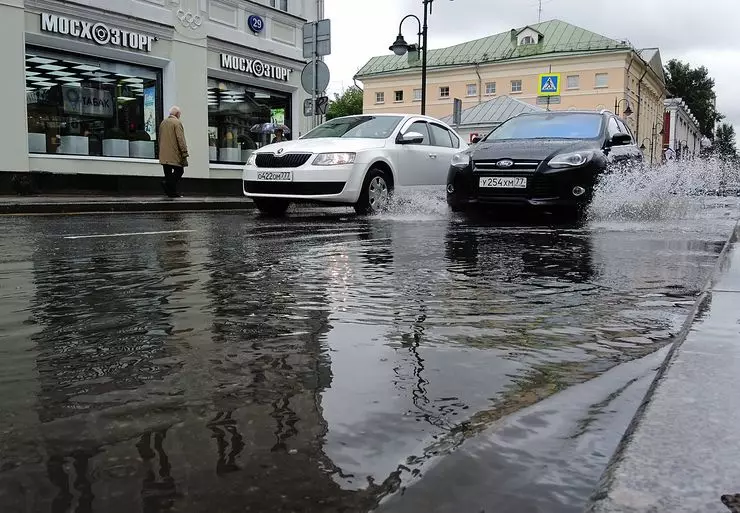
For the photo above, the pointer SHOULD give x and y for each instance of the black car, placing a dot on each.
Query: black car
(548, 160)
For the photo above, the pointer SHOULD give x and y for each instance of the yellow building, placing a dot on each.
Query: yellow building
(595, 73)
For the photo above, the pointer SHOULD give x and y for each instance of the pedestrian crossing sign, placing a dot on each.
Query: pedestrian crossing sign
(549, 84)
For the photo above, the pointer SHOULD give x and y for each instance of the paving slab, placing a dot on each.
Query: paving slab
(682, 453)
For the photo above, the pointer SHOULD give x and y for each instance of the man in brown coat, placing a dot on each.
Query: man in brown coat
(173, 151)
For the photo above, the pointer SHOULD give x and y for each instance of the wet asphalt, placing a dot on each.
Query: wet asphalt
(415, 361)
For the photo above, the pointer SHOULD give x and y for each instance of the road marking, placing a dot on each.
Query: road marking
(100, 236)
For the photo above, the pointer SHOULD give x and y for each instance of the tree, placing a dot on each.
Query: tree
(696, 88)
(347, 104)
(724, 140)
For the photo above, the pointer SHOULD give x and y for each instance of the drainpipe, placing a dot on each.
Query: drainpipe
(480, 84)
(639, 99)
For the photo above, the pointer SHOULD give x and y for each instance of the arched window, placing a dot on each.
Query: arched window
(527, 40)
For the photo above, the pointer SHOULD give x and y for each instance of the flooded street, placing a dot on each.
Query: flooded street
(415, 361)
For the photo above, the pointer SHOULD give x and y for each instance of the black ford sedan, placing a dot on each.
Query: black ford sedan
(548, 160)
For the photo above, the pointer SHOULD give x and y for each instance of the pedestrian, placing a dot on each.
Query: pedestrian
(279, 137)
(173, 151)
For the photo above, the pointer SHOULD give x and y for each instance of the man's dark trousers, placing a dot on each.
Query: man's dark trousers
(172, 175)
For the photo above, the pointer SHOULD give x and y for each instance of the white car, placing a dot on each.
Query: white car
(353, 160)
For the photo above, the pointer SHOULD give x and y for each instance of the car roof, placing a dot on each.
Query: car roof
(395, 114)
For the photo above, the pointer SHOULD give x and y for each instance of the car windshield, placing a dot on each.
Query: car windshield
(372, 127)
(554, 126)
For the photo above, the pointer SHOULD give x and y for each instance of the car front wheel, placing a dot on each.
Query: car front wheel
(376, 193)
(271, 207)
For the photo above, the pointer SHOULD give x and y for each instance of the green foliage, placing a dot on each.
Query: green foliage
(349, 103)
(724, 141)
(696, 88)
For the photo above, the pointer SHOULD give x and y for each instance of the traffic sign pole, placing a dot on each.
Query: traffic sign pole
(315, 73)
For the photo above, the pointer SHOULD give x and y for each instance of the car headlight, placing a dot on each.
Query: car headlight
(461, 160)
(252, 160)
(574, 159)
(334, 159)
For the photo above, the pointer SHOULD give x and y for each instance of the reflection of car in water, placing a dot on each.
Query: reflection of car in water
(549, 160)
(353, 160)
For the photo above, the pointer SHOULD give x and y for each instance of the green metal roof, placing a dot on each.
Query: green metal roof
(559, 38)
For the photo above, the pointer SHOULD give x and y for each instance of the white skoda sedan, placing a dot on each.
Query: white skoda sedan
(354, 160)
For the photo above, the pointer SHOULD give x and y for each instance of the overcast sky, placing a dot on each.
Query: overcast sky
(700, 32)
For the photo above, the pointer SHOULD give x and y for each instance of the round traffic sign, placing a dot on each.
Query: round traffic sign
(322, 77)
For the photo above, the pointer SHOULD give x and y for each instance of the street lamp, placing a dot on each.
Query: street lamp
(400, 47)
(618, 102)
(643, 147)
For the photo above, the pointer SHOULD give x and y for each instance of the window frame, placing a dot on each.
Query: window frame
(521, 86)
(427, 134)
(417, 98)
(577, 81)
(442, 89)
(278, 4)
(468, 89)
(493, 92)
(433, 136)
(398, 96)
(379, 97)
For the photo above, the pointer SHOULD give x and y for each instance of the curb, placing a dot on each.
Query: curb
(606, 481)
(91, 207)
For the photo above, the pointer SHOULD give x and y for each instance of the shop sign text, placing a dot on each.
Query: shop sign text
(99, 33)
(255, 67)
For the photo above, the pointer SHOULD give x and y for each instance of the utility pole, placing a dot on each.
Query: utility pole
(539, 13)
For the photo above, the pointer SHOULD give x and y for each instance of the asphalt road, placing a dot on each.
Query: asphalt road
(325, 362)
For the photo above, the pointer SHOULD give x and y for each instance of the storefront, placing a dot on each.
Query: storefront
(97, 85)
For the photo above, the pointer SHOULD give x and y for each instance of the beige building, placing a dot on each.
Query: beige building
(595, 73)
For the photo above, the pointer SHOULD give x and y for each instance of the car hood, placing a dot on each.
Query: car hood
(532, 149)
(324, 145)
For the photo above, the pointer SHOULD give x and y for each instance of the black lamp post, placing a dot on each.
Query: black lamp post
(400, 47)
(618, 102)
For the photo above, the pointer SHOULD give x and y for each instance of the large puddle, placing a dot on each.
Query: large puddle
(326, 362)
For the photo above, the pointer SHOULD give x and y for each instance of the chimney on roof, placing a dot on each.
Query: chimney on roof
(513, 37)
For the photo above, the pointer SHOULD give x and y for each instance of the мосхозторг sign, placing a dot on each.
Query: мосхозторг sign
(99, 33)
(255, 67)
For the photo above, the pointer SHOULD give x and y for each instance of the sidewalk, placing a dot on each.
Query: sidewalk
(682, 451)
(71, 204)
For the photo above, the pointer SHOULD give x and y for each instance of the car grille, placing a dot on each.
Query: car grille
(294, 188)
(543, 187)
(517, 167)
(270, 160)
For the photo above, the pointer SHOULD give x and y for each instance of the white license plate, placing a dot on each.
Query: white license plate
(503, 182)
(275, 176)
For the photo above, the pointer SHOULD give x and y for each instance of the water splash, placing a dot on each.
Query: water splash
(418, 204)
(675, 190)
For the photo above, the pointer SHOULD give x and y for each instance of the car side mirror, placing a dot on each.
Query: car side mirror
(620, 139)
(411, 138)
(475, 140)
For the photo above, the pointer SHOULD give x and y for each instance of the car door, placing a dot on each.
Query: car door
(615, 154)
(413, 160)
(443, 148)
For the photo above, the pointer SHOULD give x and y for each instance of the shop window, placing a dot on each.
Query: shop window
(85, 106)
(243, 118)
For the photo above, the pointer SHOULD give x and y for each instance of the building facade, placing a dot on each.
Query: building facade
(596, 73)
(681, 132)
(99, 76)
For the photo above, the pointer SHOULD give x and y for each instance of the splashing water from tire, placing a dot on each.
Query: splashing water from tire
(675, 190)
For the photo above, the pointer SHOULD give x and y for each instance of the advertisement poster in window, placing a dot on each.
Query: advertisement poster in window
(278, 116)
(150, 112)
(85, 101)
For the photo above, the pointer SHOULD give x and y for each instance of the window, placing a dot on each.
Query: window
(371, 127)
(379, 97)
(602, 80)
(612, 128)
(421, 127)
(490, 88)
(398, 96)
(417, 95)
(472, 90)
(574, 81)
(86, 106)
(444, 92)
(441, 136)
(235, 115)
(279, 4)
(549, 126)
(527, 40)
(516, 86)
